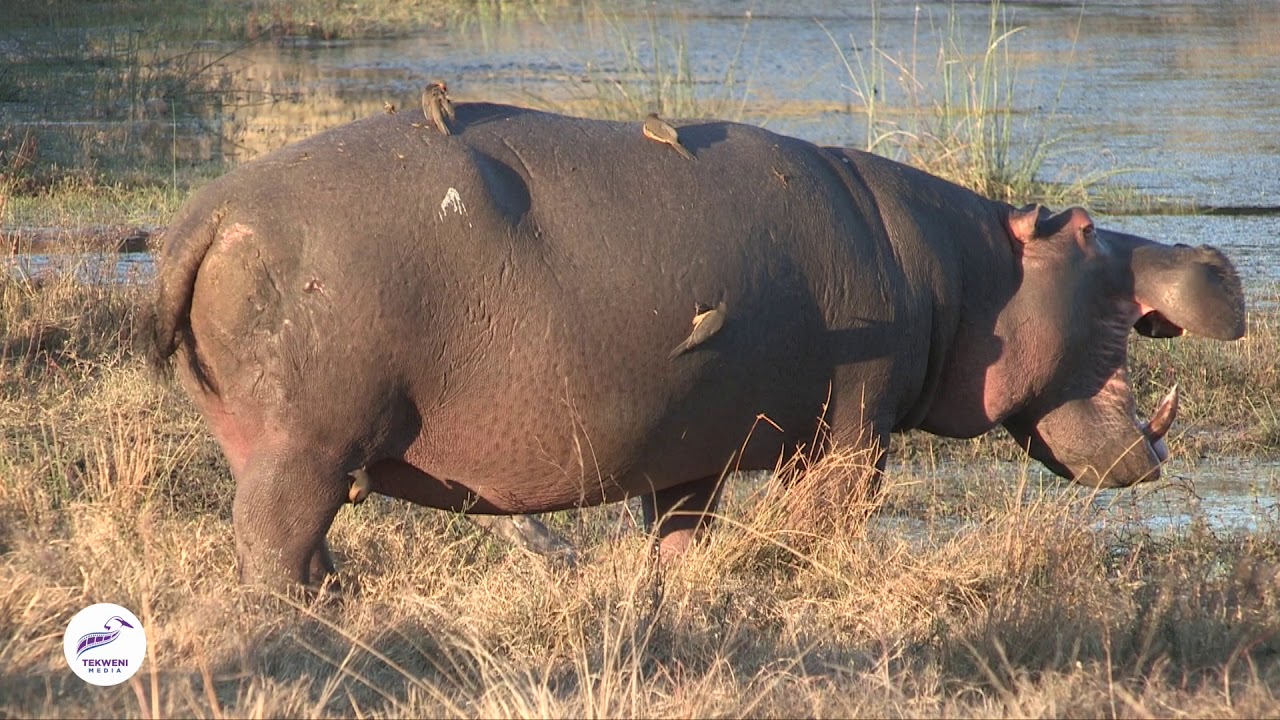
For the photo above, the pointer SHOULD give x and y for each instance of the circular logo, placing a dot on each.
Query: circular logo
(104, 644)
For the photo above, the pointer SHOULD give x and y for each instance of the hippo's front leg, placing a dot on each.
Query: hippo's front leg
(282, 510)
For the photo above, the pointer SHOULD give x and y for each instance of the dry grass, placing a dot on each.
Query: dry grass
(955, 594)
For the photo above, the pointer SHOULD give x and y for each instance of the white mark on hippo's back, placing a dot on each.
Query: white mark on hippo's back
(452, 202)
(236, 233)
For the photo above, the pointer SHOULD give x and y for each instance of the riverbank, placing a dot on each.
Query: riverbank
(959, 592)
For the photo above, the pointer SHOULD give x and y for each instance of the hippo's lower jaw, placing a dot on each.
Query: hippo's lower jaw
(1138, 462)
(1078, 441)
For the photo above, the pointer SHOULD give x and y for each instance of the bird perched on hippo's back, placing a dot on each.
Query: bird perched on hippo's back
(436, 106)
(659, 130)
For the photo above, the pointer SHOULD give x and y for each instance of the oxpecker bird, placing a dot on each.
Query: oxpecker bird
(361, 484)
(655, 128)
(705, 324)
(436, 106)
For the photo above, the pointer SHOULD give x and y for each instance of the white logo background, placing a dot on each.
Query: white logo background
(110, 663)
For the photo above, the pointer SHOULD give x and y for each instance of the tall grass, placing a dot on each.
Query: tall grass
(100, 111)
(952, 593)
(1027, 610)
(958, 116)
(810, 598)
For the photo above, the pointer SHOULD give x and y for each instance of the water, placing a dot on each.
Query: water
(1180, 96)
(1225, 494)
(122, 267)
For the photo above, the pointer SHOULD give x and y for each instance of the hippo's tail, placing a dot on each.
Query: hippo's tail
(166, 324)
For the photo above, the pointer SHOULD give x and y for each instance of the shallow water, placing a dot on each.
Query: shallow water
(1225, 494)
(1221, 494)
(110, 267)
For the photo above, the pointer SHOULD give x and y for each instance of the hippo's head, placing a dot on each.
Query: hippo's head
(1065, 334)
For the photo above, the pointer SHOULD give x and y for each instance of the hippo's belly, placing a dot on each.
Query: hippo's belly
(553, 453)
(554, 430)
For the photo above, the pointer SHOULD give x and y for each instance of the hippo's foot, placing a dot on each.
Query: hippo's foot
(528, 532)
(678, 515)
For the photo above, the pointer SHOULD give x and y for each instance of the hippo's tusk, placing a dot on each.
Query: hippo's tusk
(1163, 418)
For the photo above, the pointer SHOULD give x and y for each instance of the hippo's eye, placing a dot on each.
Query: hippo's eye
(1087, 231)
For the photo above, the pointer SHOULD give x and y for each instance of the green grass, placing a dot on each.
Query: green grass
(82, 203)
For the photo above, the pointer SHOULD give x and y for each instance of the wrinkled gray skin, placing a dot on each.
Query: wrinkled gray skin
(484, 320)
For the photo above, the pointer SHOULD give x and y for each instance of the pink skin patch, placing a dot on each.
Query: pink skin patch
(236, 233)
(232, 435)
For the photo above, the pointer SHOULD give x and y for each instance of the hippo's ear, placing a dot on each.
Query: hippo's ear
(1021, 223)
(1192, 288)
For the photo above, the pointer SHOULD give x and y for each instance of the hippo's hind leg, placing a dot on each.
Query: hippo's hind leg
(283, 508)
(678, 515)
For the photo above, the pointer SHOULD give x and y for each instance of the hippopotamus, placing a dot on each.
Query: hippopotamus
(483, 322)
